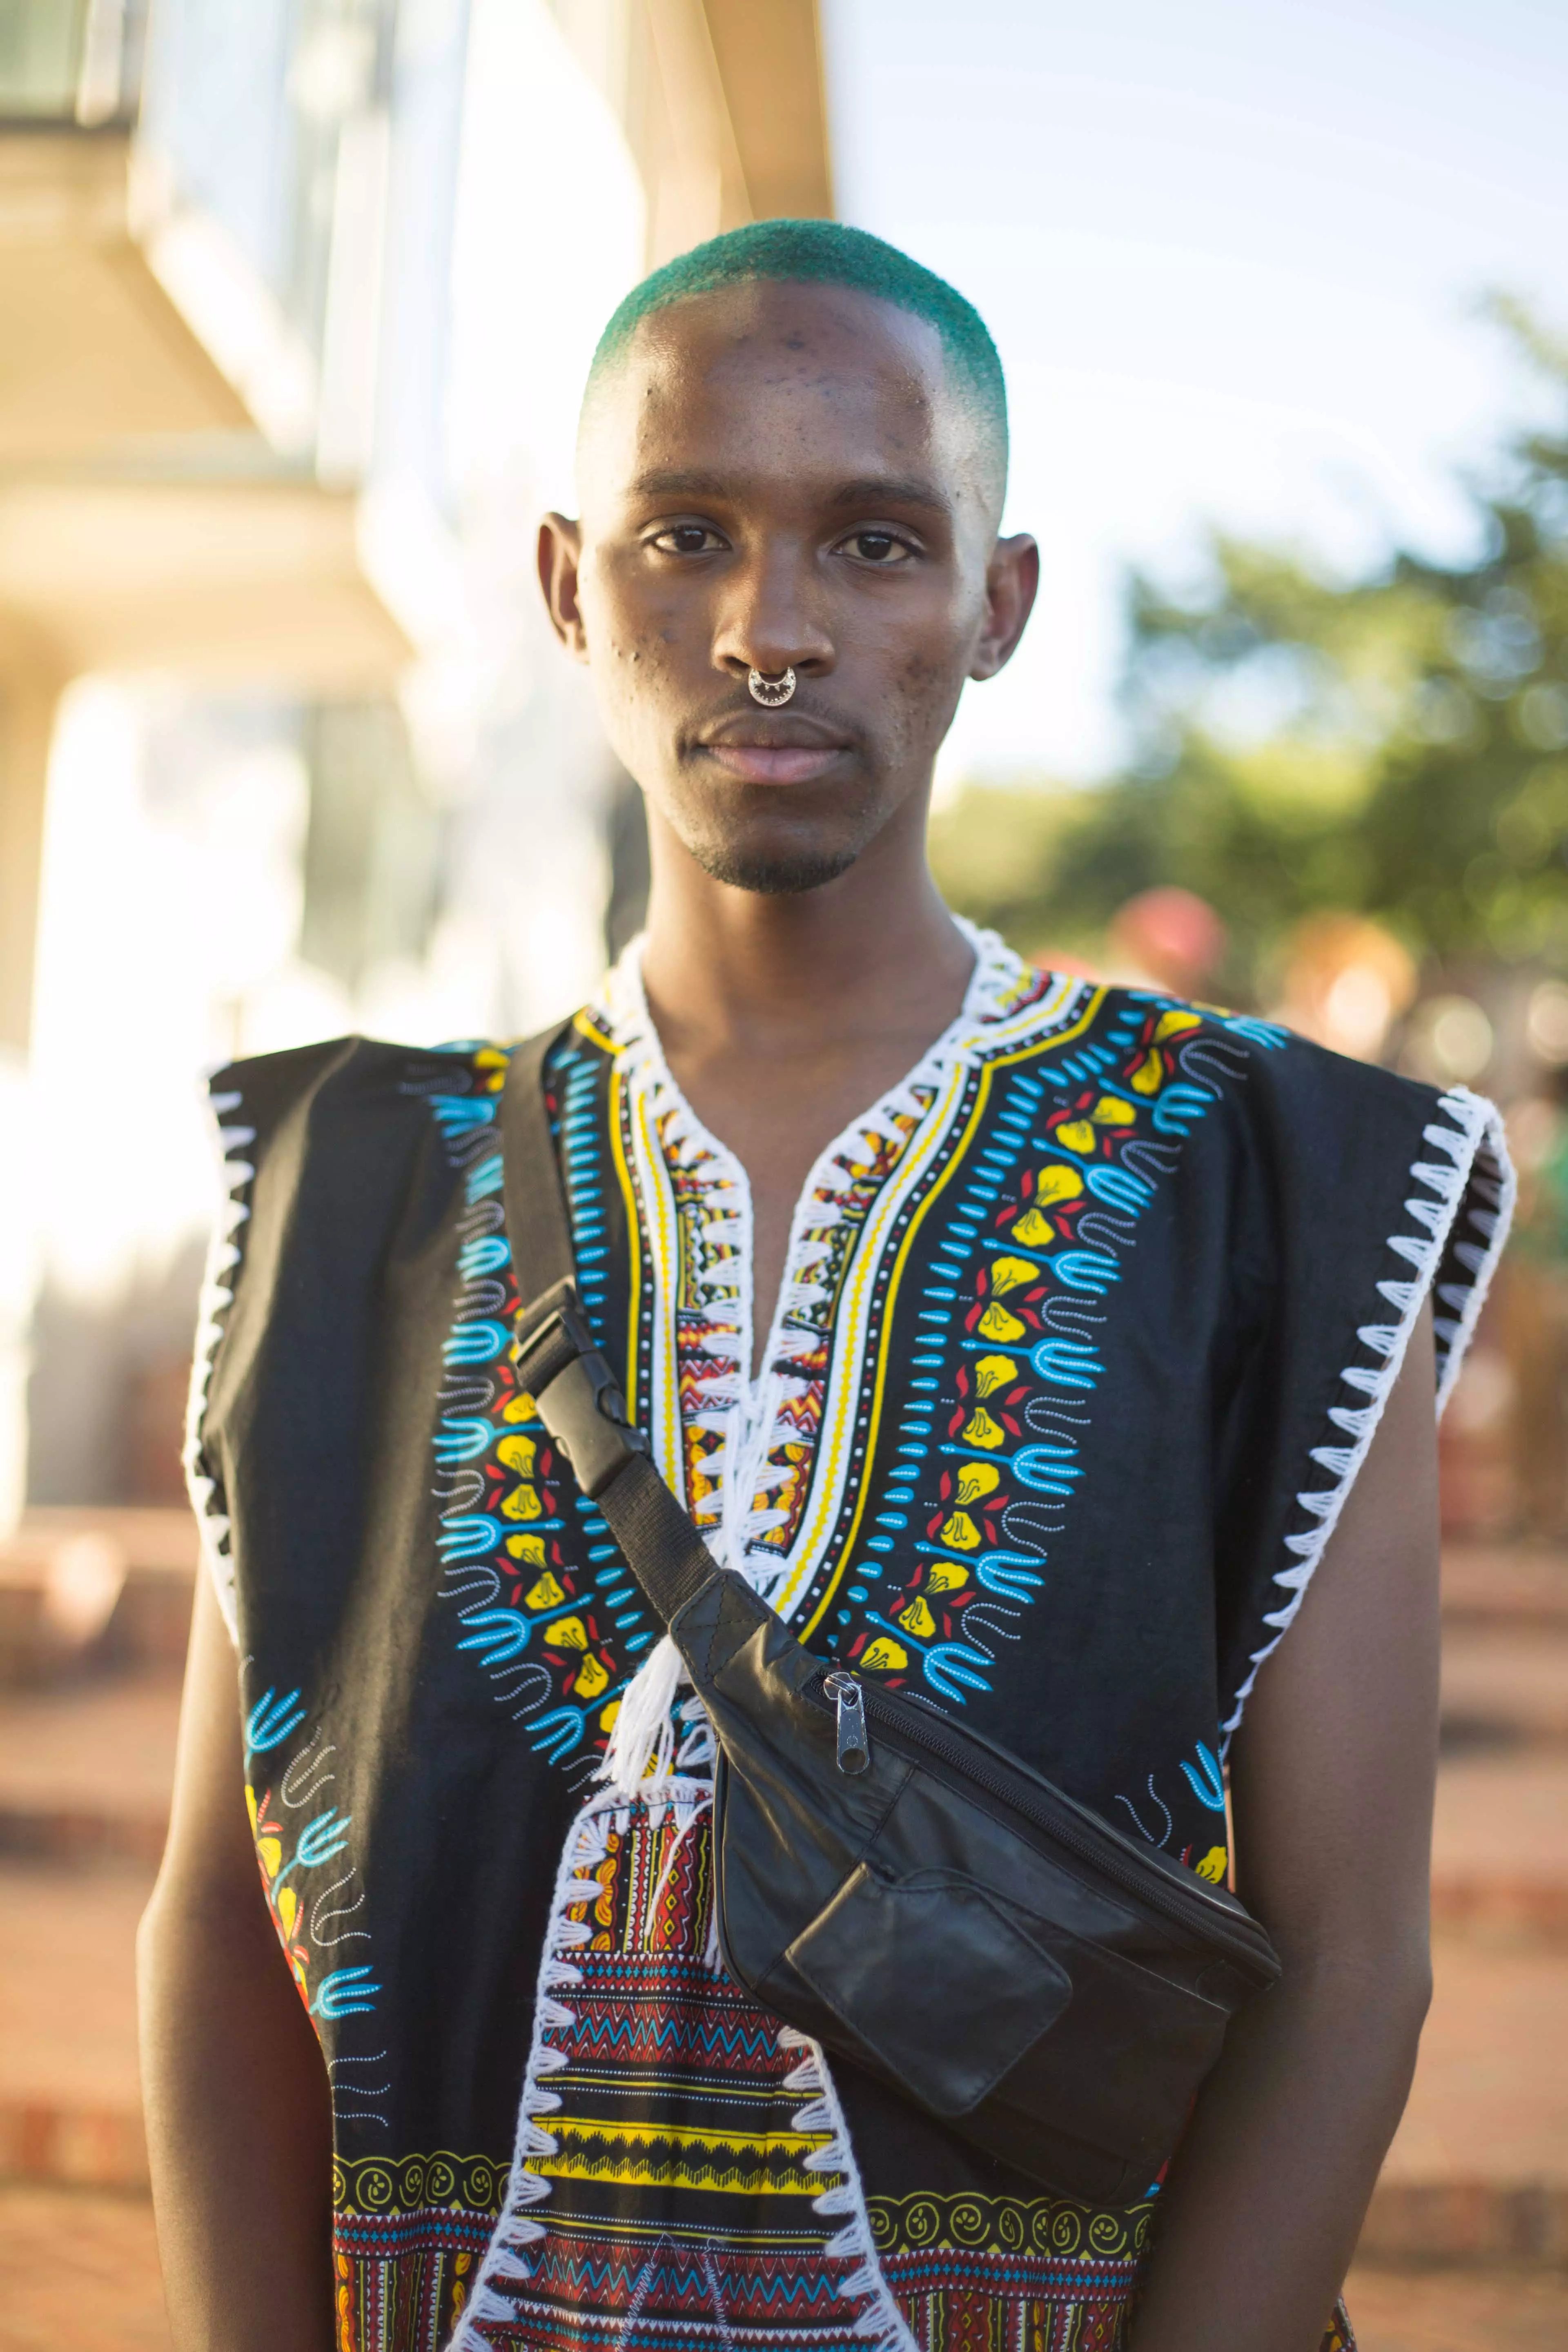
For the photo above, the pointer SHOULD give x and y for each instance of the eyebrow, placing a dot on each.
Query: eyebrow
(899, 490)
(870, 490)
(678, 485)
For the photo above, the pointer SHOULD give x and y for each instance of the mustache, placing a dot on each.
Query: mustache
(806, 721)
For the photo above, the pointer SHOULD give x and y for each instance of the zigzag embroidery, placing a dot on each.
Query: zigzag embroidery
(748, 2287)
(703, 2034)
(758, 2146)
(224, 1257)
(1473, 1177)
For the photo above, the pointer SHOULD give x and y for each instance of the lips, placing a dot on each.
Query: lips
(781, 763)
(786, 750)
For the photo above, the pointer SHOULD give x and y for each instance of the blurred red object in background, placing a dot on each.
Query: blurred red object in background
(1170, 936)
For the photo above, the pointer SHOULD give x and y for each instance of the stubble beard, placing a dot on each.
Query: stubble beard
(732, 853)
(775, 876)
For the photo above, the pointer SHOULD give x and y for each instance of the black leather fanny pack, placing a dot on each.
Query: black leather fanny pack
(895, 1885)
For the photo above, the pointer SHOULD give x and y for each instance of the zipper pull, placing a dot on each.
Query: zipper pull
(854, 1744)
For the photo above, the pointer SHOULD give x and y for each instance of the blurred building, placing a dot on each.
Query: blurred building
(296, 300)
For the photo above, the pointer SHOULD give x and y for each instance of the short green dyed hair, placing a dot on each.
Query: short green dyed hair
(824, 253)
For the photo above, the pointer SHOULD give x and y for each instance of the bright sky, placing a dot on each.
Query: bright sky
(1230, 251)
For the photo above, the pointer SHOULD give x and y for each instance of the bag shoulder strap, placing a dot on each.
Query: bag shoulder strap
(537, 1225)
(561, 1365)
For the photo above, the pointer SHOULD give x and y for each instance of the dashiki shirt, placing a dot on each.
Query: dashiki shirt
(1084, 1333)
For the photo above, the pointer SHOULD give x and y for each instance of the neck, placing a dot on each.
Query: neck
(874, 950)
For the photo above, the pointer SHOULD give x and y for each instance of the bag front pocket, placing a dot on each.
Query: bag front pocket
(943, 1987)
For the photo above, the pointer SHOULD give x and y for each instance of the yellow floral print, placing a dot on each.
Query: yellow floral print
(1007, 1273)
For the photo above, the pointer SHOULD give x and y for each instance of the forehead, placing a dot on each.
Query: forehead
(814, 377)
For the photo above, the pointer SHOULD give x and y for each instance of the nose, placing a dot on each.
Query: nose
(772, 617)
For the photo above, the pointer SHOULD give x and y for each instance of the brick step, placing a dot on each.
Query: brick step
(1412, 2222)
(70, 2097)
(86, 1768)
(1478, 2168)
(1519, 1585)
(57, 1597)
(1518, 1910)
(72, 2147)
(102, 1587)
(151, 1536)
(1504, 1686)
(82, 1837)
(1499, 1847)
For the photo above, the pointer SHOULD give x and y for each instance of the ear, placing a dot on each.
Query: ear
(560, 554)
(1012, 581)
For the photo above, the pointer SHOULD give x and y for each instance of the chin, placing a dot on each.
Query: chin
(776, 871)
(757, 844)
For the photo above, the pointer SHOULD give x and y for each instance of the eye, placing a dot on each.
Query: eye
(883, 549)
(688, 539)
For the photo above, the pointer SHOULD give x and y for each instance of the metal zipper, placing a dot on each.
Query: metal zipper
(904, 1727)
(854, 1745)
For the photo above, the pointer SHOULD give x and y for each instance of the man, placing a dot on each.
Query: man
(1042, 1388)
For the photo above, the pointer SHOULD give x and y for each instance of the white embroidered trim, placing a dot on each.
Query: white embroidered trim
(752, 1419)
(217, 1296)
(1477, 1171)
(507, 2260)
(882, 2322)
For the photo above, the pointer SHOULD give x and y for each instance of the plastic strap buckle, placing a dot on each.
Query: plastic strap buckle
(578, 1400)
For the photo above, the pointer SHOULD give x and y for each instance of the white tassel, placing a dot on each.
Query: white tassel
(485, 2303)
(641, 1754)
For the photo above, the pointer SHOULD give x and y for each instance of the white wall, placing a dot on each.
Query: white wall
(170, 921)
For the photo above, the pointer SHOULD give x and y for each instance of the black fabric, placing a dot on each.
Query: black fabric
(401, 1545)
(318, 1434)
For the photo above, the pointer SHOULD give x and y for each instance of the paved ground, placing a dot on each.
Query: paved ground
(79, 2273)
(1456, 2310)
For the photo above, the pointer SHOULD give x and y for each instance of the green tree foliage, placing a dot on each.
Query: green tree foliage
(1396, 745)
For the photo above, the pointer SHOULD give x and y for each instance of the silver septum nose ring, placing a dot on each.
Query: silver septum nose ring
(772, 693)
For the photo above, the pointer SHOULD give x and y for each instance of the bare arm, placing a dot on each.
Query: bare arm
(237, 2123)
(1331, 1785)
